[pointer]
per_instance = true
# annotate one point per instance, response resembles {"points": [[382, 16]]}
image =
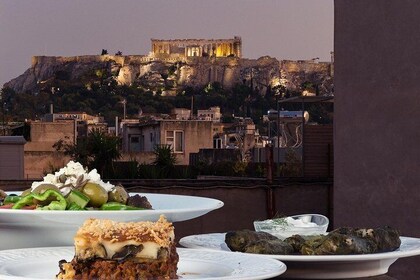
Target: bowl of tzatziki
{"points": [[303, 224]]}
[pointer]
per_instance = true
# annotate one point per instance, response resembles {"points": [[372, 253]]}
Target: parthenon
{"points": [[198, 47]]}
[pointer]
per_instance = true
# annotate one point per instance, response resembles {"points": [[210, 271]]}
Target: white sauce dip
{"points": [[303, 221]]}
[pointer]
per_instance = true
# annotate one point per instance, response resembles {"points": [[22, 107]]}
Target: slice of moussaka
{"points": [[106, 249]]}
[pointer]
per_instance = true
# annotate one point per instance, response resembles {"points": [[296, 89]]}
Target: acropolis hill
{"points": [[184, 62]]}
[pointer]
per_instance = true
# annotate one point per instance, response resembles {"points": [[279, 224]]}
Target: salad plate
{"points": [[42, 263], [319, 267], [41, 228]]}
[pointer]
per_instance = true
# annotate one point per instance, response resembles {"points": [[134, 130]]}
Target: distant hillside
{"points": [[99, 85], [174, 75]]}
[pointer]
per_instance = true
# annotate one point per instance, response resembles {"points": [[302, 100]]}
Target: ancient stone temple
{"points": [[198, 47]]}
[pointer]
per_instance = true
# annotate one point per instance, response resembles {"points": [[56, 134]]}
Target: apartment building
{"points": [[184, 136]]}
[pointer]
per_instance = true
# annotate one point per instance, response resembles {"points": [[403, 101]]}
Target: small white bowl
{"points": [[306, 224]]}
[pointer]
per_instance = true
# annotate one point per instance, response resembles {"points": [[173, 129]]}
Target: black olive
{"points": [[127, 251]]}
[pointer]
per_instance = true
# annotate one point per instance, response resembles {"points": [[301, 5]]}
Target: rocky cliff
{"points": [[172, 74]]}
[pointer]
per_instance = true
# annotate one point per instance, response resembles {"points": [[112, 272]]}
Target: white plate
{"points": [[319, 267], [42, 263], [36, 228]]}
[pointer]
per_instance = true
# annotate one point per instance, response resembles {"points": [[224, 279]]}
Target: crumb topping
{"points": [[160, 232]]}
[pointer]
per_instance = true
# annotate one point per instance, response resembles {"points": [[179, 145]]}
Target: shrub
{"points": [[292, 166]]}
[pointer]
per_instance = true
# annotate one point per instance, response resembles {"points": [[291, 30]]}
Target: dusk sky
{"points": [[284, 29]]}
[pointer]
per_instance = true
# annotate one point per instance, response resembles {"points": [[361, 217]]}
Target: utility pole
{"points": [[3, 111], [278, 128], [192, 108], [279, 95], [4, 120], [124, 103]]}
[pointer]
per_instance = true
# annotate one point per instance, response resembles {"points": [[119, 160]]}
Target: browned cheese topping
{"points": [[160, 232]]}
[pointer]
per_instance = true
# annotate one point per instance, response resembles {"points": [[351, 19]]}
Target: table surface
{"points": [[381, 277]]}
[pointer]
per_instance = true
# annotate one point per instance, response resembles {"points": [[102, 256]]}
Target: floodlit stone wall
{"points": [[198, 47], [191, 71]]}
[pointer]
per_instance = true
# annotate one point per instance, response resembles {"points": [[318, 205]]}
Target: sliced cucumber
{"points": [[78, 198]]}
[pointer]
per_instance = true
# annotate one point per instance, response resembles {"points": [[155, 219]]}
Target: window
{"points": [[135, 143], [179, 143], [175, 138], [217, 143], [141, 143]]}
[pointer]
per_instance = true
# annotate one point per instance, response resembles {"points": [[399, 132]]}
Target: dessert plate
{"points": [[42, 263], [319, 267], [36, 228]]}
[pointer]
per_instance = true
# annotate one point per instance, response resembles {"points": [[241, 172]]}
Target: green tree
{"points": [[105, 149], [279, 90], [165, 159], [77, 151], [164, 156], [293, 165], [99, 150]]}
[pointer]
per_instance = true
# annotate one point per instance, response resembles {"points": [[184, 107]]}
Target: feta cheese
{"points": [[72, 171]]}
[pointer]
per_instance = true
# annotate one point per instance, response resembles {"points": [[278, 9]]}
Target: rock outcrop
{"points": [[192, 72]]}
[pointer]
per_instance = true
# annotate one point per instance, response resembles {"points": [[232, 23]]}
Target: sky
{"points": [[284, 29]]}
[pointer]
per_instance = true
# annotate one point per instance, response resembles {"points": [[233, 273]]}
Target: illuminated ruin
{"points": [[198, 47]]}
